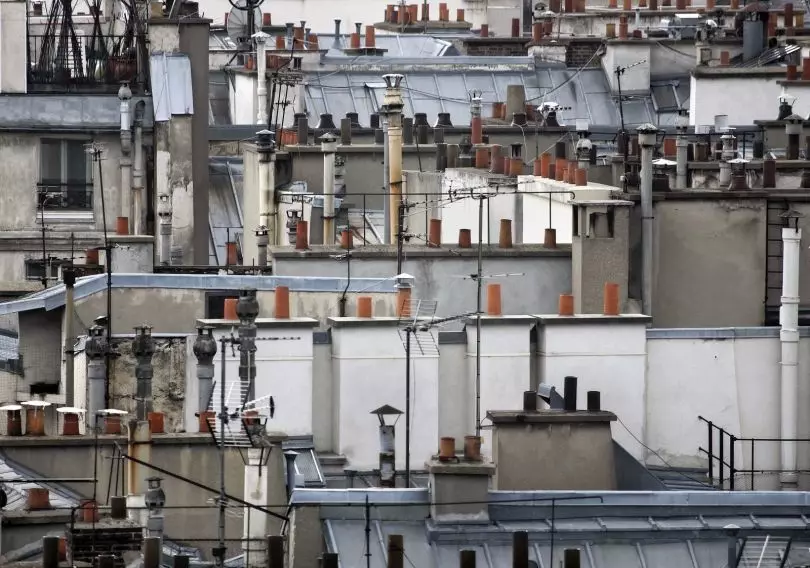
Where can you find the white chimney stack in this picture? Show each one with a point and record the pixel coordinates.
(727, 154)
(789, 340)
(681, 144)
(265, 147)
(164, 211)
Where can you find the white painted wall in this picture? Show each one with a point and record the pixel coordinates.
(369, 371)
(284, 365)
(633, 55)
(242, 93)
(505, 368)
(756, 98)
(605, 355)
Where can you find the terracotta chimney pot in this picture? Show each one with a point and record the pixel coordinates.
(566, 305)
(282, 299)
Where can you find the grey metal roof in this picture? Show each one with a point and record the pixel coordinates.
(397, 45)
(307, 466)
(54, 297)
(624, 530)
(446, 89)
(224, 212)
(171, 85)
(11, 472)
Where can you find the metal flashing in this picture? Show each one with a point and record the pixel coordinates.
(171, 85)
(54, 297)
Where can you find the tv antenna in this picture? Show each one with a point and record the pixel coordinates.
(619, 71)
(241, 24)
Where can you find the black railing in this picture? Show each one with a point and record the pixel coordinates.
(60, 196)
(723, 448)
(82, 63)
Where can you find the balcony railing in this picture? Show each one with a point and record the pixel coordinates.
(76, 196)
(83, 63)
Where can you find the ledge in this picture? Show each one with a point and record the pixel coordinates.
(554, 319)
(179, 439)
(549, 416)
(263, 323)
(447, 250)
(436, 467)
(362, 322)
(490, 321)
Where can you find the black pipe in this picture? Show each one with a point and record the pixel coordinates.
(570, 394)
(594, 401)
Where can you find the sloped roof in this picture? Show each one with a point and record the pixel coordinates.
(397, 45)
(611, 529)
(446, 89)
(13, 478)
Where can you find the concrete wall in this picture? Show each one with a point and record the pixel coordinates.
(440, 274)
(756, 99)
(191, 456)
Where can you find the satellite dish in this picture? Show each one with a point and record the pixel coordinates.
(238, 26)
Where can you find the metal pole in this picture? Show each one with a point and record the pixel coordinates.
(108, 262)
(44, 252)
(69, 278)
(223, 417)
(731, 440)
(368, 532)
(400, 236)
(711, 454)
(478, 317)
(408, 408)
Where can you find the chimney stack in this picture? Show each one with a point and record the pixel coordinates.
(247, 309)
(647, 135)
(164, 212)
(793, 128)
(476, 121)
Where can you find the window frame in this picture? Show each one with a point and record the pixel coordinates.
(55, 265)
(64, 212)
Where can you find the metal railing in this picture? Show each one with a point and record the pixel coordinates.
(69, 195)
(723, 449)
(88, 63)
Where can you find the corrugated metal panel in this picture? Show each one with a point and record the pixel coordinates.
(171, 85)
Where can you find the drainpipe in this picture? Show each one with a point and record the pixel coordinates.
(647, 138)
(328, 147)
(138, 197)
(681, 144)
(125, 162)
(386, 177)
(205, 348)
(261, 74)
(265, 146)
(392, 102)
(69, 278)
(164, 211)
(726, 155)
(789, 340)
(95, 351)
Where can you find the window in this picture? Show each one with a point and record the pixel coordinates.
(65, 175)
(35, 269)
(215, 304)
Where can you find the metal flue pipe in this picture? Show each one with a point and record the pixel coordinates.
(727, 154)
(261, 73)
(247, 309)
(265, 146)
(392, 103)
(328, 147)
(125, 161)
(138, 221)
(205, 348)
(164, 211)
(789, 340)
(143, 347)
(682, 147)
(647, 138)
(95, 351)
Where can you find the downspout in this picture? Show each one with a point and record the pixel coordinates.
(647, 138)
(681, 144)
(789, 340)
(69, 278)
(386, 180)
(265, 147)
(328, 147)
(125, 162)
(138, 197)
(164, 211)
(392, 102)
(261, 75)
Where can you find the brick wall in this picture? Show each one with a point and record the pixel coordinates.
(580, 52)
(496, 47)
(111, 537)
